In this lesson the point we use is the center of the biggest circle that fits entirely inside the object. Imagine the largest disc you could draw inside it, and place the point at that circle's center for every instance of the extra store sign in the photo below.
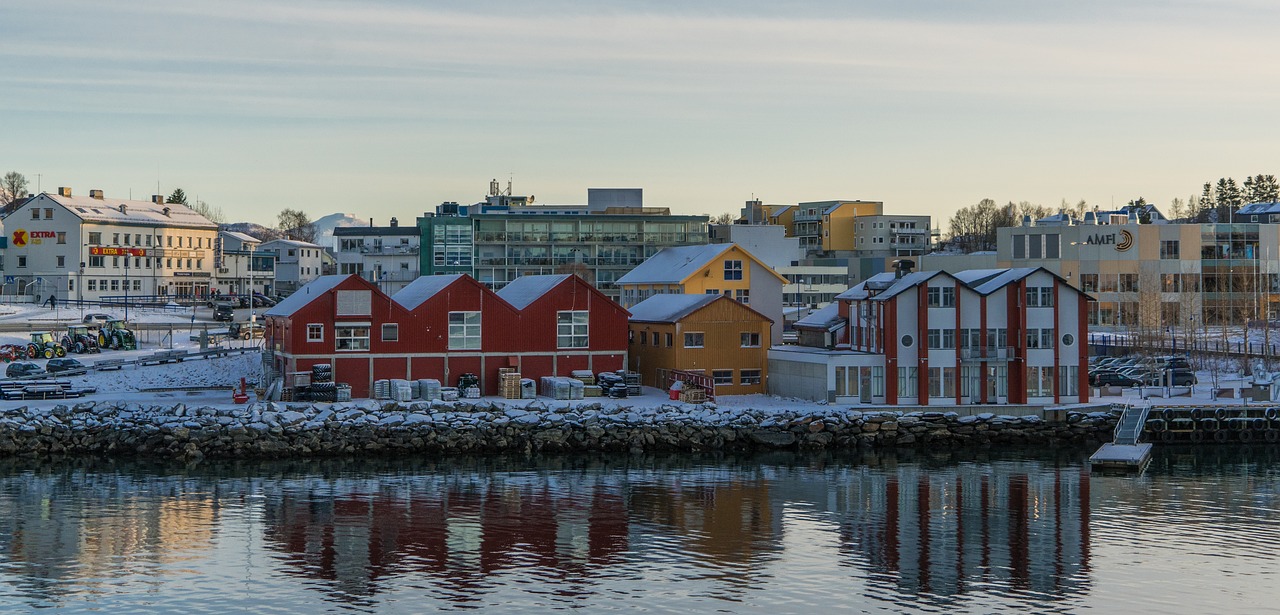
(22, 238)
(100, 251)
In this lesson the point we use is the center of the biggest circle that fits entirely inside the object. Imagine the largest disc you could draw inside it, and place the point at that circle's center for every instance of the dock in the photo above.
(1125, 452)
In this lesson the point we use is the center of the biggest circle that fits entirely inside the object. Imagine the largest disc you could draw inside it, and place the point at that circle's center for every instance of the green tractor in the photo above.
(79, 339)
(116, 336)
(44, 345)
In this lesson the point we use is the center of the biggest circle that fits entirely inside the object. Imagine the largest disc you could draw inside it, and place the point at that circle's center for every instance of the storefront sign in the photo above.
(23, 237)
(100, 251)
(1122, 240)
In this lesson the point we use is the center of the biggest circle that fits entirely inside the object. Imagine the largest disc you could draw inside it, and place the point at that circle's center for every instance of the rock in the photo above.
(775, 439)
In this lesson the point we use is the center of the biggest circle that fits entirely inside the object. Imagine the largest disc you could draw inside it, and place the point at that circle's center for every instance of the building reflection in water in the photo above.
(1023, 526)
(461, 532)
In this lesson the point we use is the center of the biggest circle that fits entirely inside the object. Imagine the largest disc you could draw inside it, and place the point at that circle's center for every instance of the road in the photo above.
(57, 320)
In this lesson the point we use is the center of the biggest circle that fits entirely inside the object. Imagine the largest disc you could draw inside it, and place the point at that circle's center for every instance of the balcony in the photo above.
(986, 353)
(389, 250)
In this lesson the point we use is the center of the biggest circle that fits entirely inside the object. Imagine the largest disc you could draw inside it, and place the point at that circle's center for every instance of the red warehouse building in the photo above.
(565, 324)
(445, 326)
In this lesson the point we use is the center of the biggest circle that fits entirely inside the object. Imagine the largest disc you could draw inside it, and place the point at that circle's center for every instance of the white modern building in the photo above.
(243, 267)
(388, 256)
(94, 247)
(297, 262)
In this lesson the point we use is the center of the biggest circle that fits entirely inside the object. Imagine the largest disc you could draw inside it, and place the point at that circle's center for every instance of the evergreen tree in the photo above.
(1207, 211)
(178, 196)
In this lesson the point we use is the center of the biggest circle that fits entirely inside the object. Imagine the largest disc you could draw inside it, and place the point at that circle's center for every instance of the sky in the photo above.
(385, 108)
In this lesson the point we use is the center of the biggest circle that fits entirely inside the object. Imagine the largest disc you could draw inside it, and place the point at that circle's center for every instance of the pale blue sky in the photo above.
(386, 108)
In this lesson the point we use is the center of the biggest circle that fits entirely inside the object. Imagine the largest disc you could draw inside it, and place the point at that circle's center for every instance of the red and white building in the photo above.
(444, 326)
(986, 336)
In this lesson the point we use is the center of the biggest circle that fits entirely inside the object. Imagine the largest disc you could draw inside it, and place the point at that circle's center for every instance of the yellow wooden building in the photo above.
(709, 333)
(714, 269)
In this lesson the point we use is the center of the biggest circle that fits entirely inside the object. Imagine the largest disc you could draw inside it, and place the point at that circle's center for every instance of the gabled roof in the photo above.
(987, 281)
(135, 212)
(524, 290)
(241, 237)
(292, 242)
(422, 289)
(678, 264)
(306, 295)
(896, 287)
(981, 281)
(669, 308)
(674, 265)
(1259, 208)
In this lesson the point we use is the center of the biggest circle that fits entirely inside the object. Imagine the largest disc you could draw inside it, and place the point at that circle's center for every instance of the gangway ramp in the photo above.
(1125, 452)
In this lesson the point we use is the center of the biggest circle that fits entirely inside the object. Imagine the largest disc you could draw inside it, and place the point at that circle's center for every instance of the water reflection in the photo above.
(957, 531)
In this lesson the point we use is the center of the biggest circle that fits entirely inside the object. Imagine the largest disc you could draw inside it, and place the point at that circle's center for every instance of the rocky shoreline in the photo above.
(276, 430)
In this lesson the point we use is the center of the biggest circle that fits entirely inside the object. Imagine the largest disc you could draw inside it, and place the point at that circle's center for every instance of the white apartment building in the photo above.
(93, 247)
(297, 262)
(243, 267)
(388, 256)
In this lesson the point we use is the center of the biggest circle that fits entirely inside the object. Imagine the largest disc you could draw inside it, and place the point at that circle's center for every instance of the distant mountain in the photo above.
(324, 228)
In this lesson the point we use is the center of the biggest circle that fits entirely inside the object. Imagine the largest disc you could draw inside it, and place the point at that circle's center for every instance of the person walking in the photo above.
(53, 302)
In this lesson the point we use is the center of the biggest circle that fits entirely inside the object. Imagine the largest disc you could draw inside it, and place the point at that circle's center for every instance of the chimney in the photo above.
(158, 199)
(166, 212)
(124, 209)
(903, 266)
(394, 222)
(95, 194)
(64, 191)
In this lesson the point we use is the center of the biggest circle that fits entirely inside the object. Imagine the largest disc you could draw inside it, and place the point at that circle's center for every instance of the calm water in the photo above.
(772, 534)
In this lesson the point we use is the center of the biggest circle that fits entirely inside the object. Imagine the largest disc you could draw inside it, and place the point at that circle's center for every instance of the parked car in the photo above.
(55, 366)
(224, 312)
(1114, 379)
(96, 319)
(244, 331)
(1179, 378)
(18, 370)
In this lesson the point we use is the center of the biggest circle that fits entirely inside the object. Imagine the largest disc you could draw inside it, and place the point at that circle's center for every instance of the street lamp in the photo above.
(126, 285)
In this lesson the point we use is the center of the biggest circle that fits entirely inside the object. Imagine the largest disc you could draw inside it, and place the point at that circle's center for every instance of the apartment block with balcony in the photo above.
(930, 338)
(389, 256)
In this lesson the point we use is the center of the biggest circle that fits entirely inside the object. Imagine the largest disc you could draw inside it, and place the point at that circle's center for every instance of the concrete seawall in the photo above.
(272, 430)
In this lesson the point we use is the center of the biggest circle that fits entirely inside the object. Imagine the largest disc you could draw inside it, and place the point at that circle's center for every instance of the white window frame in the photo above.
(689, 336)
(464, 331)
(354, 336)
(315, 332)
(572, 329)
(394, 329)
(750, 339)
(722, 377)
(749, 377)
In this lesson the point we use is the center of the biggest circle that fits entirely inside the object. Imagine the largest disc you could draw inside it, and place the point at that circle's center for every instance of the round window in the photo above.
(907, 341)
(1067, 340)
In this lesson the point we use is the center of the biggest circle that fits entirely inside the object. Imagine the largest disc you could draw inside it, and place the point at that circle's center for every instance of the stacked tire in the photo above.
(322, 386)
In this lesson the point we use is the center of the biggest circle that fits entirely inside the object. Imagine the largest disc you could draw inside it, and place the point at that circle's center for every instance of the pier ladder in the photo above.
(1125, 452)
(1129, 427)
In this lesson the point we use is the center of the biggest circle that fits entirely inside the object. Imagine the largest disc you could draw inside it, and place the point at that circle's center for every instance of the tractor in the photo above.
(43, 344)
(116, 336)
(80, 340)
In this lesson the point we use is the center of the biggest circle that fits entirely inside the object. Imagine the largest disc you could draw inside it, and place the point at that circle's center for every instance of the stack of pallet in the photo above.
(584, 375)
(509, 383)
(693, 395)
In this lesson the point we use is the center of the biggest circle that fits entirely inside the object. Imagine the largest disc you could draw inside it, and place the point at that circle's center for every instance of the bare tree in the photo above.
(296, 225)
(973, 227)
(13, 187)
(212, 213)
(724, 218)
